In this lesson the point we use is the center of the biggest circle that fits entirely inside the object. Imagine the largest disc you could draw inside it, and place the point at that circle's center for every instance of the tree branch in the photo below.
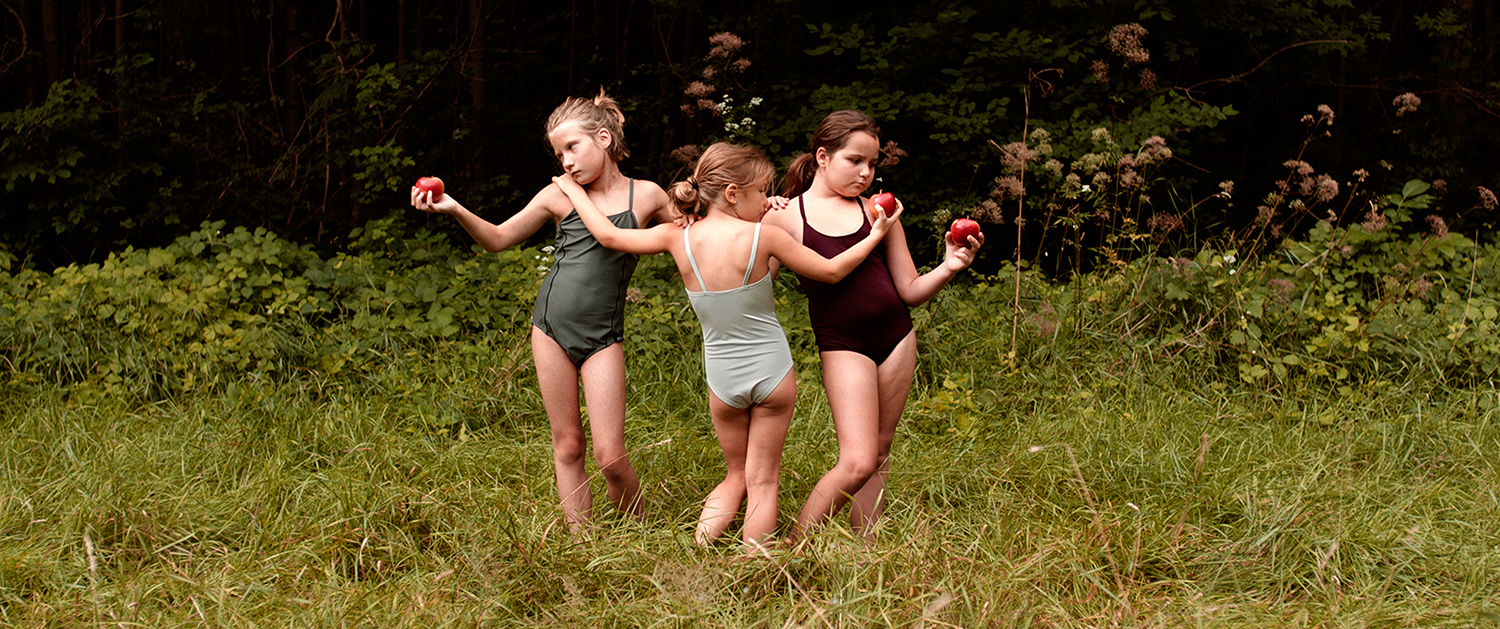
(1236, 77)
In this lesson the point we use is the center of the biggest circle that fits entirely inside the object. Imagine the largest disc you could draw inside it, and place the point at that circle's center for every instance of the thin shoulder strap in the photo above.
(802, 207)
(694, 263)
(630, 206)
(754, 246)
(862, 213)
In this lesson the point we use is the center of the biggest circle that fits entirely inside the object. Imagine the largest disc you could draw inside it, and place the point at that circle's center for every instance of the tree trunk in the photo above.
(52, 41)
(401, 32)
(1457, 56)
(291, 84)
(119, 81)
(478, 92)
(572, 45)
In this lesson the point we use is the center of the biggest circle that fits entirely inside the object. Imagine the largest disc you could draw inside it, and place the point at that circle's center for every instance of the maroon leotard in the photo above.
(861, 313)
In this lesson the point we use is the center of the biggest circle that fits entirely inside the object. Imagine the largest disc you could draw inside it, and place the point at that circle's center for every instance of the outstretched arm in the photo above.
(637, 241)
(915, 289)
(812, 264)
(489, 235)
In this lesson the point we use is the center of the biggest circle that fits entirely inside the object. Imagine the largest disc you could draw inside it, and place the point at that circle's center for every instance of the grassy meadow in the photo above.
(1079, 482)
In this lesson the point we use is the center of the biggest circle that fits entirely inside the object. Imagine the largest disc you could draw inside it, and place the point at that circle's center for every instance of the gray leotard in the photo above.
(745, 353)
(581, 304)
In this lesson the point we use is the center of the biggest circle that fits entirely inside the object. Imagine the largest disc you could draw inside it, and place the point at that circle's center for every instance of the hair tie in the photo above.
(692, 181)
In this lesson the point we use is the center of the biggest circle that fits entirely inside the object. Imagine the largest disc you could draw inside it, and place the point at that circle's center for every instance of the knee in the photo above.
(860, 466)
(568, 450)
(613, 464)
(760, 482)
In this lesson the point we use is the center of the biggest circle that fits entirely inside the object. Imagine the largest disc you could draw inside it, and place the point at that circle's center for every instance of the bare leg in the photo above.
(603, 376)
(731, 426)
(866, 401)
(752, 441)
(769, 422)
(558, 380)
(894, 377)
(849, 378)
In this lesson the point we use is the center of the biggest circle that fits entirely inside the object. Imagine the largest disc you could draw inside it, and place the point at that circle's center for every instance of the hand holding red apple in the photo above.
(961, 230)
(432, 185)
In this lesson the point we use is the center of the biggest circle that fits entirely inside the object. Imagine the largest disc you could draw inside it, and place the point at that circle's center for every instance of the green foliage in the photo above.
(214, 306)
(1343, 304)
(58, 176)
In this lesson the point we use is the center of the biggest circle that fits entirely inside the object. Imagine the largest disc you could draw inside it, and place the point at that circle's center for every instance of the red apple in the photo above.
(885, 202)
(962, 229)
(433, 185)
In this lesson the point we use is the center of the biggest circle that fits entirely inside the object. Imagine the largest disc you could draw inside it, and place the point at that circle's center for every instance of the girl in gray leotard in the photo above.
(577, 325)
(752, 387)
(745, 353)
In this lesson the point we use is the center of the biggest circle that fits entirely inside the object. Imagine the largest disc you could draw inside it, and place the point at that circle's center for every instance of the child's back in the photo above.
(745, 353)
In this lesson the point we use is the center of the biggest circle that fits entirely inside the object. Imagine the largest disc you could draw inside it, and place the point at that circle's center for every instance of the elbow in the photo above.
(834, 276)
(914, 298)
(609, 240)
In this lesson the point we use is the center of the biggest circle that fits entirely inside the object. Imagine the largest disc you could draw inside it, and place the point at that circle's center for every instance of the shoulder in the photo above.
(648, 187)
(663, 232)
(784, 217)
(652, 194)
(552, 200)
(652, 205)
(776, 235)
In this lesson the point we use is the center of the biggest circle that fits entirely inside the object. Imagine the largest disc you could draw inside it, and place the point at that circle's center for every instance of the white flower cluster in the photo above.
(545, 258)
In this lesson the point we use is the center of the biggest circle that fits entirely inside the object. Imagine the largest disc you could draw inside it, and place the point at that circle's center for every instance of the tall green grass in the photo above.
(1094, 488)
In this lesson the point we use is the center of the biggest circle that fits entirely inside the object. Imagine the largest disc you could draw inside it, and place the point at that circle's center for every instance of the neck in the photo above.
(607, 180)
(727, 211)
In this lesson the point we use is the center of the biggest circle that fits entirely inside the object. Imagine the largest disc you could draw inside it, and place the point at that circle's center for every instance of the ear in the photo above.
(822, 157)
(604, 138)
(732, 193)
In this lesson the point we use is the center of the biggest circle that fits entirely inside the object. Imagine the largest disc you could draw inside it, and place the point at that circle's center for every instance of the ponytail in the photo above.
(799, 176)
(684, 196)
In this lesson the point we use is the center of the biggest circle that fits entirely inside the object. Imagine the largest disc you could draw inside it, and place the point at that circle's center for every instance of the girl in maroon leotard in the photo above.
(863, 329)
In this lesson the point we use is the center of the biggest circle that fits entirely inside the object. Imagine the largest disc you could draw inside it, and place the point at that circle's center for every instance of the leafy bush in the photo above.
(213, 307)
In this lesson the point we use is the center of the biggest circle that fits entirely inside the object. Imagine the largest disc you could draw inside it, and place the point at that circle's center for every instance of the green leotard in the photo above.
(581, 304)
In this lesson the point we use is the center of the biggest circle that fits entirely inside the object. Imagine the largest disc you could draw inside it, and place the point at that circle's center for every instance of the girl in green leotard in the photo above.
(578, 322)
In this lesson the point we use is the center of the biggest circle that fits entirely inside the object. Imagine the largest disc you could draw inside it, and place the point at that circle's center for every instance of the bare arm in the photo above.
(775, 216)
(813, 265)
(916, 289)
(489, 235)
(637, 241)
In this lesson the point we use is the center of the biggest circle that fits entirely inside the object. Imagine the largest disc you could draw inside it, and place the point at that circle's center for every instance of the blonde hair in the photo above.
(720, 165)
(593, 114)
(832, 134)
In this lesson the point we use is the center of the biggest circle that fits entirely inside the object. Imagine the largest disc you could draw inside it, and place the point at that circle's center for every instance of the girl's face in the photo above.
(749, 202)
(851, 169)
(581, 154)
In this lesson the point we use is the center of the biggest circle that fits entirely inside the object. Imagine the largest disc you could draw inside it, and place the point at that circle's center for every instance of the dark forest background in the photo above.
(130, 122)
